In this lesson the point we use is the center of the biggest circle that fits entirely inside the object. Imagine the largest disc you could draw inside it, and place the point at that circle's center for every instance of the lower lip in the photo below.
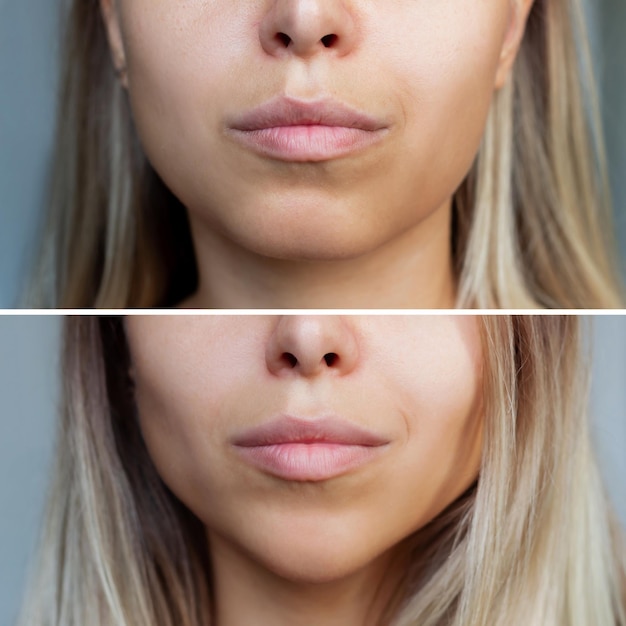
(308, 461)
(307, 143)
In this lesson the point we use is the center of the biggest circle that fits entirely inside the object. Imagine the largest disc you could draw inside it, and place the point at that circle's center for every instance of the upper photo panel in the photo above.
(277, 154)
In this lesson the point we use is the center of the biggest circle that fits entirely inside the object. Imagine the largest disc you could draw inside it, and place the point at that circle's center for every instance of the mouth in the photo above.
(299, 450)
(291, 130)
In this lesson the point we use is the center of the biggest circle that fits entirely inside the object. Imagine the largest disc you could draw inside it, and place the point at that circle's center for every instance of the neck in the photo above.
(245, 592)
(414, 270)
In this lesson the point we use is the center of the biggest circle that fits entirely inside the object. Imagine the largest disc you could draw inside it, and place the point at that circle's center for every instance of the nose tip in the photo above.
(305, 28)
(310, 346)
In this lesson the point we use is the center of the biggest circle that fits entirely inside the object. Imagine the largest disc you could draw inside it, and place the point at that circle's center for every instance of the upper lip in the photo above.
(284, 111)
(288, 429)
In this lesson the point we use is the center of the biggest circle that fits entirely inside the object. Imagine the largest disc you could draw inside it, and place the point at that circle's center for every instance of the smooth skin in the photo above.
(369, 229)
(299, 553)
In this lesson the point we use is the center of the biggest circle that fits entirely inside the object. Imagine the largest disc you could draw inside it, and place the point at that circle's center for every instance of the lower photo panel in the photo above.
(353, 470)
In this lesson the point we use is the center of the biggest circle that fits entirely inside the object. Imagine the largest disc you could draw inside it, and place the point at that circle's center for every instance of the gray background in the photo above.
(28, 53)
(29, 397)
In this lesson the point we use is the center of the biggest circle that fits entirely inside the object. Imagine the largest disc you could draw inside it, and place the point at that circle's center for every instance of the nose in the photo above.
(310, 346)
(305, 28)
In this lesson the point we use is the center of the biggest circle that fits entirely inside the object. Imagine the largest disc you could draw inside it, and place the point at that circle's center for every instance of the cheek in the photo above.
(183, 429)
(178, 58)
(441, 400)
(445, 75)
(173, 418)
(184, 385)
(444, 447)
(175, 428)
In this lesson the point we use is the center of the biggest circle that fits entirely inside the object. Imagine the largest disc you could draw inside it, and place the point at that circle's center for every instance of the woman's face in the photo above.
(313, 445)
(313, 129)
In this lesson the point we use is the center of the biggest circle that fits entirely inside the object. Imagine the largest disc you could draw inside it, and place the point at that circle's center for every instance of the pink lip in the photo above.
(294, 130)
(308, 450)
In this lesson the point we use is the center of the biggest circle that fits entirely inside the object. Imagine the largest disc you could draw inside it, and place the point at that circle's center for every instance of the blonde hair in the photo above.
(532, 542)
(531, 223)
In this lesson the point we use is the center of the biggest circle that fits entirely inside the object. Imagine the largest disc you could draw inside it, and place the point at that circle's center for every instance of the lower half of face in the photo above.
(313, 466)
(423, 72)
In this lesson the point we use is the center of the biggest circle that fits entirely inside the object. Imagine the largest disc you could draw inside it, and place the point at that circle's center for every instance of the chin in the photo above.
(308, 242)
(309, 252)
(316, 553)
(302, 228)
(304, 567)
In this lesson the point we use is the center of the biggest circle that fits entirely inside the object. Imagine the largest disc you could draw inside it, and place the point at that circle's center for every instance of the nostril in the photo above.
(284, 39)
(330, 359)
(329, 40)
(290, 359)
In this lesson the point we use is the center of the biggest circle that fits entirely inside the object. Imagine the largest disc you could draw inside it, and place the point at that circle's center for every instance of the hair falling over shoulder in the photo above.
(531, 223)
(532, 542)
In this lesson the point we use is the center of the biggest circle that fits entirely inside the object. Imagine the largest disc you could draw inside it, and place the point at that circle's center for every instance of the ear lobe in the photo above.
(520, 10)
(113, 29)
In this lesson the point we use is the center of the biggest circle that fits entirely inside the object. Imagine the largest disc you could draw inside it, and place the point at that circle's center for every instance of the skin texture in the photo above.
(343, 226)
(327, 551)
